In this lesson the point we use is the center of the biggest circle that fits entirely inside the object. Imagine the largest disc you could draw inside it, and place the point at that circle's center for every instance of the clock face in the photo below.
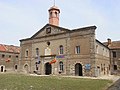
(48, 30)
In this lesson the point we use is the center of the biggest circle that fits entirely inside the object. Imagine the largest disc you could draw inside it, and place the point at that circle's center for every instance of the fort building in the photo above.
(9, 58)
(57, 50)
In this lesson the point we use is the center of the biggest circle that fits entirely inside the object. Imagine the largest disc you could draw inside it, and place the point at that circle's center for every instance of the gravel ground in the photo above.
(115, 86)
(108, 77)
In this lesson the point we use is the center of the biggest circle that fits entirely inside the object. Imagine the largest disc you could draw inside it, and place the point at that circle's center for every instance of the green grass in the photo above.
(23, 82)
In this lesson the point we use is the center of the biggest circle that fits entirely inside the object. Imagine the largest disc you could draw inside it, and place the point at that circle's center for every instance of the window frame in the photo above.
(37, 51)
(26, 53)
(115, 67)
(3, 55)
(114, 54)
(61, 49)
(61, 66)
(16, 66)
(10, 56)
(77, 49)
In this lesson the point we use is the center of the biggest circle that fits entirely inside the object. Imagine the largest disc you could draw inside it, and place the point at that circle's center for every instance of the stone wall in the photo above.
(10, 62)
(87, 59)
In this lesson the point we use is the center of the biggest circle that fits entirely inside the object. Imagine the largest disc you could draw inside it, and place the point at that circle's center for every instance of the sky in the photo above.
(20, 19)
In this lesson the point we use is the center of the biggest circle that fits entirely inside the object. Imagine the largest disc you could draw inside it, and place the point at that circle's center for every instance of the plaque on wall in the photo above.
(87, 66)
(47, 51)
(60, 56)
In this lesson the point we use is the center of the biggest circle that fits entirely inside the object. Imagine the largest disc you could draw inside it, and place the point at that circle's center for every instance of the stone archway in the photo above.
(16, 67)
(26, 68)
(78, 69)
(48, 68)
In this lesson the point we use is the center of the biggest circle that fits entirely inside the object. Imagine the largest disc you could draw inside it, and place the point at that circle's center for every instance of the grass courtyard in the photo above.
(25, 82)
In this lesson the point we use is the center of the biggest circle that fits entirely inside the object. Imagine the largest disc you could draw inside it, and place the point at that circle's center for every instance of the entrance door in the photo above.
(78, 69)
(48, 68)
(16, 67)
(1, 68)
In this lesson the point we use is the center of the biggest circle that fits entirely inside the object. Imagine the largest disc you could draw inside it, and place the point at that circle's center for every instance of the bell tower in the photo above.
(54, 12)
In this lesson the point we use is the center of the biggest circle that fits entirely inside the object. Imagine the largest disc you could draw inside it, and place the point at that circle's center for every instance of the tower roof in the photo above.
(54, 8)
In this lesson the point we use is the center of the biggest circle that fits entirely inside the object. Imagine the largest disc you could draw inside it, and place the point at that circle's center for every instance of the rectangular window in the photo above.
(115, 67)
(101, 67)
(3, 55)
(77, 49)
(96, 48)
(114, 54)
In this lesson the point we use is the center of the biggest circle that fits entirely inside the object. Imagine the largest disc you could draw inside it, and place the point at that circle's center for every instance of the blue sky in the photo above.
(21, 19)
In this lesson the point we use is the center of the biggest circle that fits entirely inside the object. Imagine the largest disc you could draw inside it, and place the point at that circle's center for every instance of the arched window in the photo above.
(50, 14)
(26, 53)
(56, 14)
(61, 65)
(61, 49)
(37, 51)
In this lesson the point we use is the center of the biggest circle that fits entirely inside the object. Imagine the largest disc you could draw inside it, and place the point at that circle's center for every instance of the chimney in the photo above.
(109, 42)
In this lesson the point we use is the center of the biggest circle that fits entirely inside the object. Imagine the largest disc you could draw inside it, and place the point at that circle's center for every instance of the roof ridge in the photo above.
(88, 27)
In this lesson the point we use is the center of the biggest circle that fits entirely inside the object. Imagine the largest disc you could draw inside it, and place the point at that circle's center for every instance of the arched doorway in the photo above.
(16, 67)
(2, 69)
(26, 68)
(78, 69)
(48, 68)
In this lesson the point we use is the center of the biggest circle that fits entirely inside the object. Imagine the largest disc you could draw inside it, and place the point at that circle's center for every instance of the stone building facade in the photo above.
(9, 58)
(57, 50)
(102, 56)
(114, 55)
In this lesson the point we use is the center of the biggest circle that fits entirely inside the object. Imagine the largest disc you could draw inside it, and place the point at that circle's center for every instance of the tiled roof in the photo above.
(54, 8)
(9, 48)
(113, 45)
(2, 48)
